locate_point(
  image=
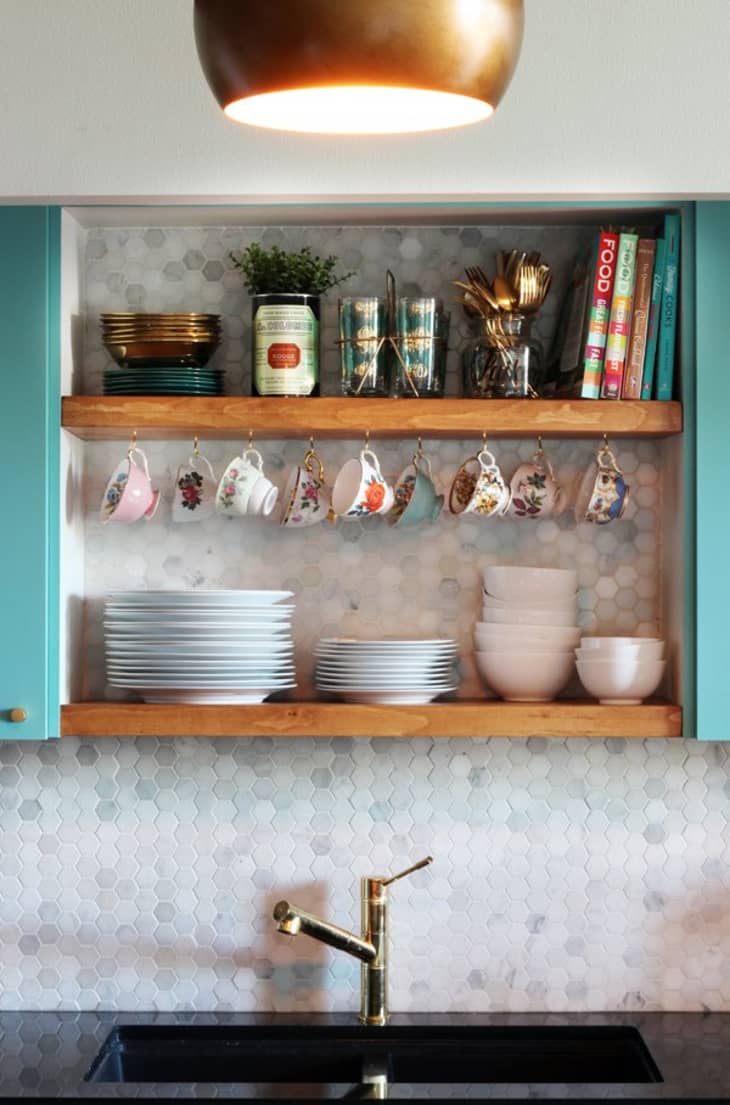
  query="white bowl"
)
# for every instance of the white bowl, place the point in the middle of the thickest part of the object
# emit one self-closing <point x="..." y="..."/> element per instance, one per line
<point x="514" y="636"/>
<point x="621" y="683"/>
<point x="543" y="602"/>
<point x="607" y="643"/>
<point x="516" y="583"/>
<point x="516" y="678"/>
<point x="515" y="616"/>
<point x="649" y="650"/>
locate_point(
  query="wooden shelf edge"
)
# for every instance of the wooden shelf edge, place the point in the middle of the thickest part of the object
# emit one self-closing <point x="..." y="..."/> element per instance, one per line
<point x="337" y="719"/>
<point x="94" y="417"/>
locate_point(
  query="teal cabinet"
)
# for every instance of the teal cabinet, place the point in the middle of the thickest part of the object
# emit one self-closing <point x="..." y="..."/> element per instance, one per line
<point x="712" y="463"/>
<point x="29" y="357"/>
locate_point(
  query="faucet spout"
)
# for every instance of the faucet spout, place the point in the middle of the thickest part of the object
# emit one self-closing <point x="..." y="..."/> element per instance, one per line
<point x="290" y="919"/>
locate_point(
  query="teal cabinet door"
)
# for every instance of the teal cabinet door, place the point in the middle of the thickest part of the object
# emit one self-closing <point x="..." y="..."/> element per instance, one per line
<point x="29" y="361"/>
<point x="713" y="464"/>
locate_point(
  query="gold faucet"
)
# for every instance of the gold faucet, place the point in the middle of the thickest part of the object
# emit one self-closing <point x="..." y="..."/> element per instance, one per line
<point x="371" y="948"/>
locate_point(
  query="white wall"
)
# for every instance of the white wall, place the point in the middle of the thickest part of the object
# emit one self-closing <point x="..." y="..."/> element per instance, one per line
<point x="105" y="98"/>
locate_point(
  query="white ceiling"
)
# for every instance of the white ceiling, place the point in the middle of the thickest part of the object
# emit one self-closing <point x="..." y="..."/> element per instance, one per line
<point x="104" y="99"/>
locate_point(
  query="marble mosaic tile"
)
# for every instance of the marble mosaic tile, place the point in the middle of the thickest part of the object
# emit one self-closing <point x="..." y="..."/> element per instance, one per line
<point x="567" y="875"/>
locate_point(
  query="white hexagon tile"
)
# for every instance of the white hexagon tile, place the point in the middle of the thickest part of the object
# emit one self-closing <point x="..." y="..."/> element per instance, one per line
<point x="568" y="875"/>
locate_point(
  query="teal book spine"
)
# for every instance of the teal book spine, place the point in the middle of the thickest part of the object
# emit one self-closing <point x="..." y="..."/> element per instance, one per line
<point x="668" y="314"/>
<point x="652" y="339"/>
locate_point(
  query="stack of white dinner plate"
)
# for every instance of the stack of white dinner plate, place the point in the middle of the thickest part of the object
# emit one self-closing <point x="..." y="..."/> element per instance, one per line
<point x="525" y="644"/>
<point x="390" y="672"/>
<point x="214" y="647"/>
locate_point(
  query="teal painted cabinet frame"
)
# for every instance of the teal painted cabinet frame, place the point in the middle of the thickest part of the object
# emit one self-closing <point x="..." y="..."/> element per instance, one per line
<point x="712" y="382"/>
<point x="30" y="267"/>
<point x="30" y="326"/>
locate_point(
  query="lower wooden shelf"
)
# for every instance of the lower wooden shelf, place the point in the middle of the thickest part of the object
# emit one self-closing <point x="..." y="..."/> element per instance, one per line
<point x="566" y="718"/>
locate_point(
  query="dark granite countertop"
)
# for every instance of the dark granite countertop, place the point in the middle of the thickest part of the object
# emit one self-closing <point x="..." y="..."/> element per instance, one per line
<point x="45" y="1056"/>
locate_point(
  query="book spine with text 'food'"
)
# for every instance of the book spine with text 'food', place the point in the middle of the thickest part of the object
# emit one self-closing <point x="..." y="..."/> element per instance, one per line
<point x="634" y="371"/>
<point x="668" y="314"/>
<point x="620" y="321"/>
<point x="603" y="280"/>
<point x="652" y="338"/>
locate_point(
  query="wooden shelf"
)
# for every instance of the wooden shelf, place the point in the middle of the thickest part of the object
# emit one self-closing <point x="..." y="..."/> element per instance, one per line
<point x="337" y="719"/>
<point x="107" y="417"/>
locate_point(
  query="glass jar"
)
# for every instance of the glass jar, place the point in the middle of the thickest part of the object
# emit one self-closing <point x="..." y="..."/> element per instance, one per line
<point x="504" y="362"/>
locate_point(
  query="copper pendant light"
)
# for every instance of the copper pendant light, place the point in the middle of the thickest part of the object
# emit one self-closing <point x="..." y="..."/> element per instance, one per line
<point x="358" y="66"/>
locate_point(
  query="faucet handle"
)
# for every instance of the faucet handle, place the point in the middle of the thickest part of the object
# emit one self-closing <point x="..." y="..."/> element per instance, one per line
<point x="408" y="871"/>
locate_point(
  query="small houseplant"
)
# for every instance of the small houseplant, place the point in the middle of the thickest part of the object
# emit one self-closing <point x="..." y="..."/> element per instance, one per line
<point x="285" y="288"/>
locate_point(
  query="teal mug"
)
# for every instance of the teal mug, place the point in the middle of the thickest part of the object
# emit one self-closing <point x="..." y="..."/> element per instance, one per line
<point x="416" y="499"/>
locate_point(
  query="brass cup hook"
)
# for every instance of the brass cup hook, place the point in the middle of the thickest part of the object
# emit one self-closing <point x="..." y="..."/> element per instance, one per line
<point x="367" y="439"/>
<point x="132" y="444"/>
<point x="250" y="440"/>
<point x="196" y="449"/>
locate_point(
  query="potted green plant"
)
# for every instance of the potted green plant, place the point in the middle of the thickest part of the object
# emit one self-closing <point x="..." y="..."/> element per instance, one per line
<point x="285" y="289"/>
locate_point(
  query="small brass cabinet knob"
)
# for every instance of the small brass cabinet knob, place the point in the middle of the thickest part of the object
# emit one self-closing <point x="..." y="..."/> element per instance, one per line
<point x="18" y="714"/>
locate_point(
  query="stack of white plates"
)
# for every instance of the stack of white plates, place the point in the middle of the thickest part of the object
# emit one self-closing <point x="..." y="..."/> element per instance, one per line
<point x="524" y="646"/>
<point x="214" y="647"/>
<point x="391" y="672"/>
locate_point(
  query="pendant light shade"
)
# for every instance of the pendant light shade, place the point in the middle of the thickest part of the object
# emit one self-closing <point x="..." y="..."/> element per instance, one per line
<point x="358" y="66"/>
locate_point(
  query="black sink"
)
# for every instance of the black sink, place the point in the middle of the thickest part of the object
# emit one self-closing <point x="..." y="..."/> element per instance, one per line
<point x="354" y="1054"/>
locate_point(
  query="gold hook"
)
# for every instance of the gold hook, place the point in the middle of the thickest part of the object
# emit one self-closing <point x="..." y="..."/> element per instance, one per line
<point x="311" y="443"/>
<point x="133" y="443"/>
<point x="250" y="439"/>
<point x="367" y="439"/>
<point x="420" y="444"/>
<point x="196" y="450"/>
<point x="605" y="441"/>
<point x="484" y="441"/>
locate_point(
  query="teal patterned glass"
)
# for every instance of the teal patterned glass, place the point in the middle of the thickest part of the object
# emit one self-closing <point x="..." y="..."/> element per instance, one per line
<point x="363" y="348"/>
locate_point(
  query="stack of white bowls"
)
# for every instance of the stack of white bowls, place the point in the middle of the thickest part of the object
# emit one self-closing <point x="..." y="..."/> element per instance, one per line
<point x="390" y="672"/>
<point x="211" y="647"/>
<point x="525" y="644"/>
<point x="621" y="671"/>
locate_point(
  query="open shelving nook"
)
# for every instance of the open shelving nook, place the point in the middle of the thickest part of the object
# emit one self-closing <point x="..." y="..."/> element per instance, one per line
<point x="93" y="418"/>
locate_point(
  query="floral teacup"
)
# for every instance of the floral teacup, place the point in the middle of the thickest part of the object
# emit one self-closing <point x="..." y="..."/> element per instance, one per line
<point x="603" y="494"/>
<point x="129" y="494"/>
<point x="535" y="491"/>
<point x="360" y="489"/>
<point x="194" y="490"/>
<point x="244" y="489"/>
<point x="479" y="487"/>
<point x="306" y="499"/>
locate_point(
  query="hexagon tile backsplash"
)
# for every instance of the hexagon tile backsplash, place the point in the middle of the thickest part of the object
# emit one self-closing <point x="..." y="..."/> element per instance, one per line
<point x="567" y="875"/>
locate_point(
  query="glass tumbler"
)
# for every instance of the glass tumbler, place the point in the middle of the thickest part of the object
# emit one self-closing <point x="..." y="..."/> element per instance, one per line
<point x="363" y="353"/>
<point x="422" y="333"/>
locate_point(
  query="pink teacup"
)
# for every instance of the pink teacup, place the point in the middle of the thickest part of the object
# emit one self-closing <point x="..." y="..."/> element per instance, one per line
<point x="129" y="494"/>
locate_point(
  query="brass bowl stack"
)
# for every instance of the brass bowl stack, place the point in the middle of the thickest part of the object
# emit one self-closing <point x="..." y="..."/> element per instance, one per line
<point x="161" y="354"/>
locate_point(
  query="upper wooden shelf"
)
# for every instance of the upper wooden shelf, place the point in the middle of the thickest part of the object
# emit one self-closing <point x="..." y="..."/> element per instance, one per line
<point x="106" y="417"/>
<point x="563" y="718"/>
